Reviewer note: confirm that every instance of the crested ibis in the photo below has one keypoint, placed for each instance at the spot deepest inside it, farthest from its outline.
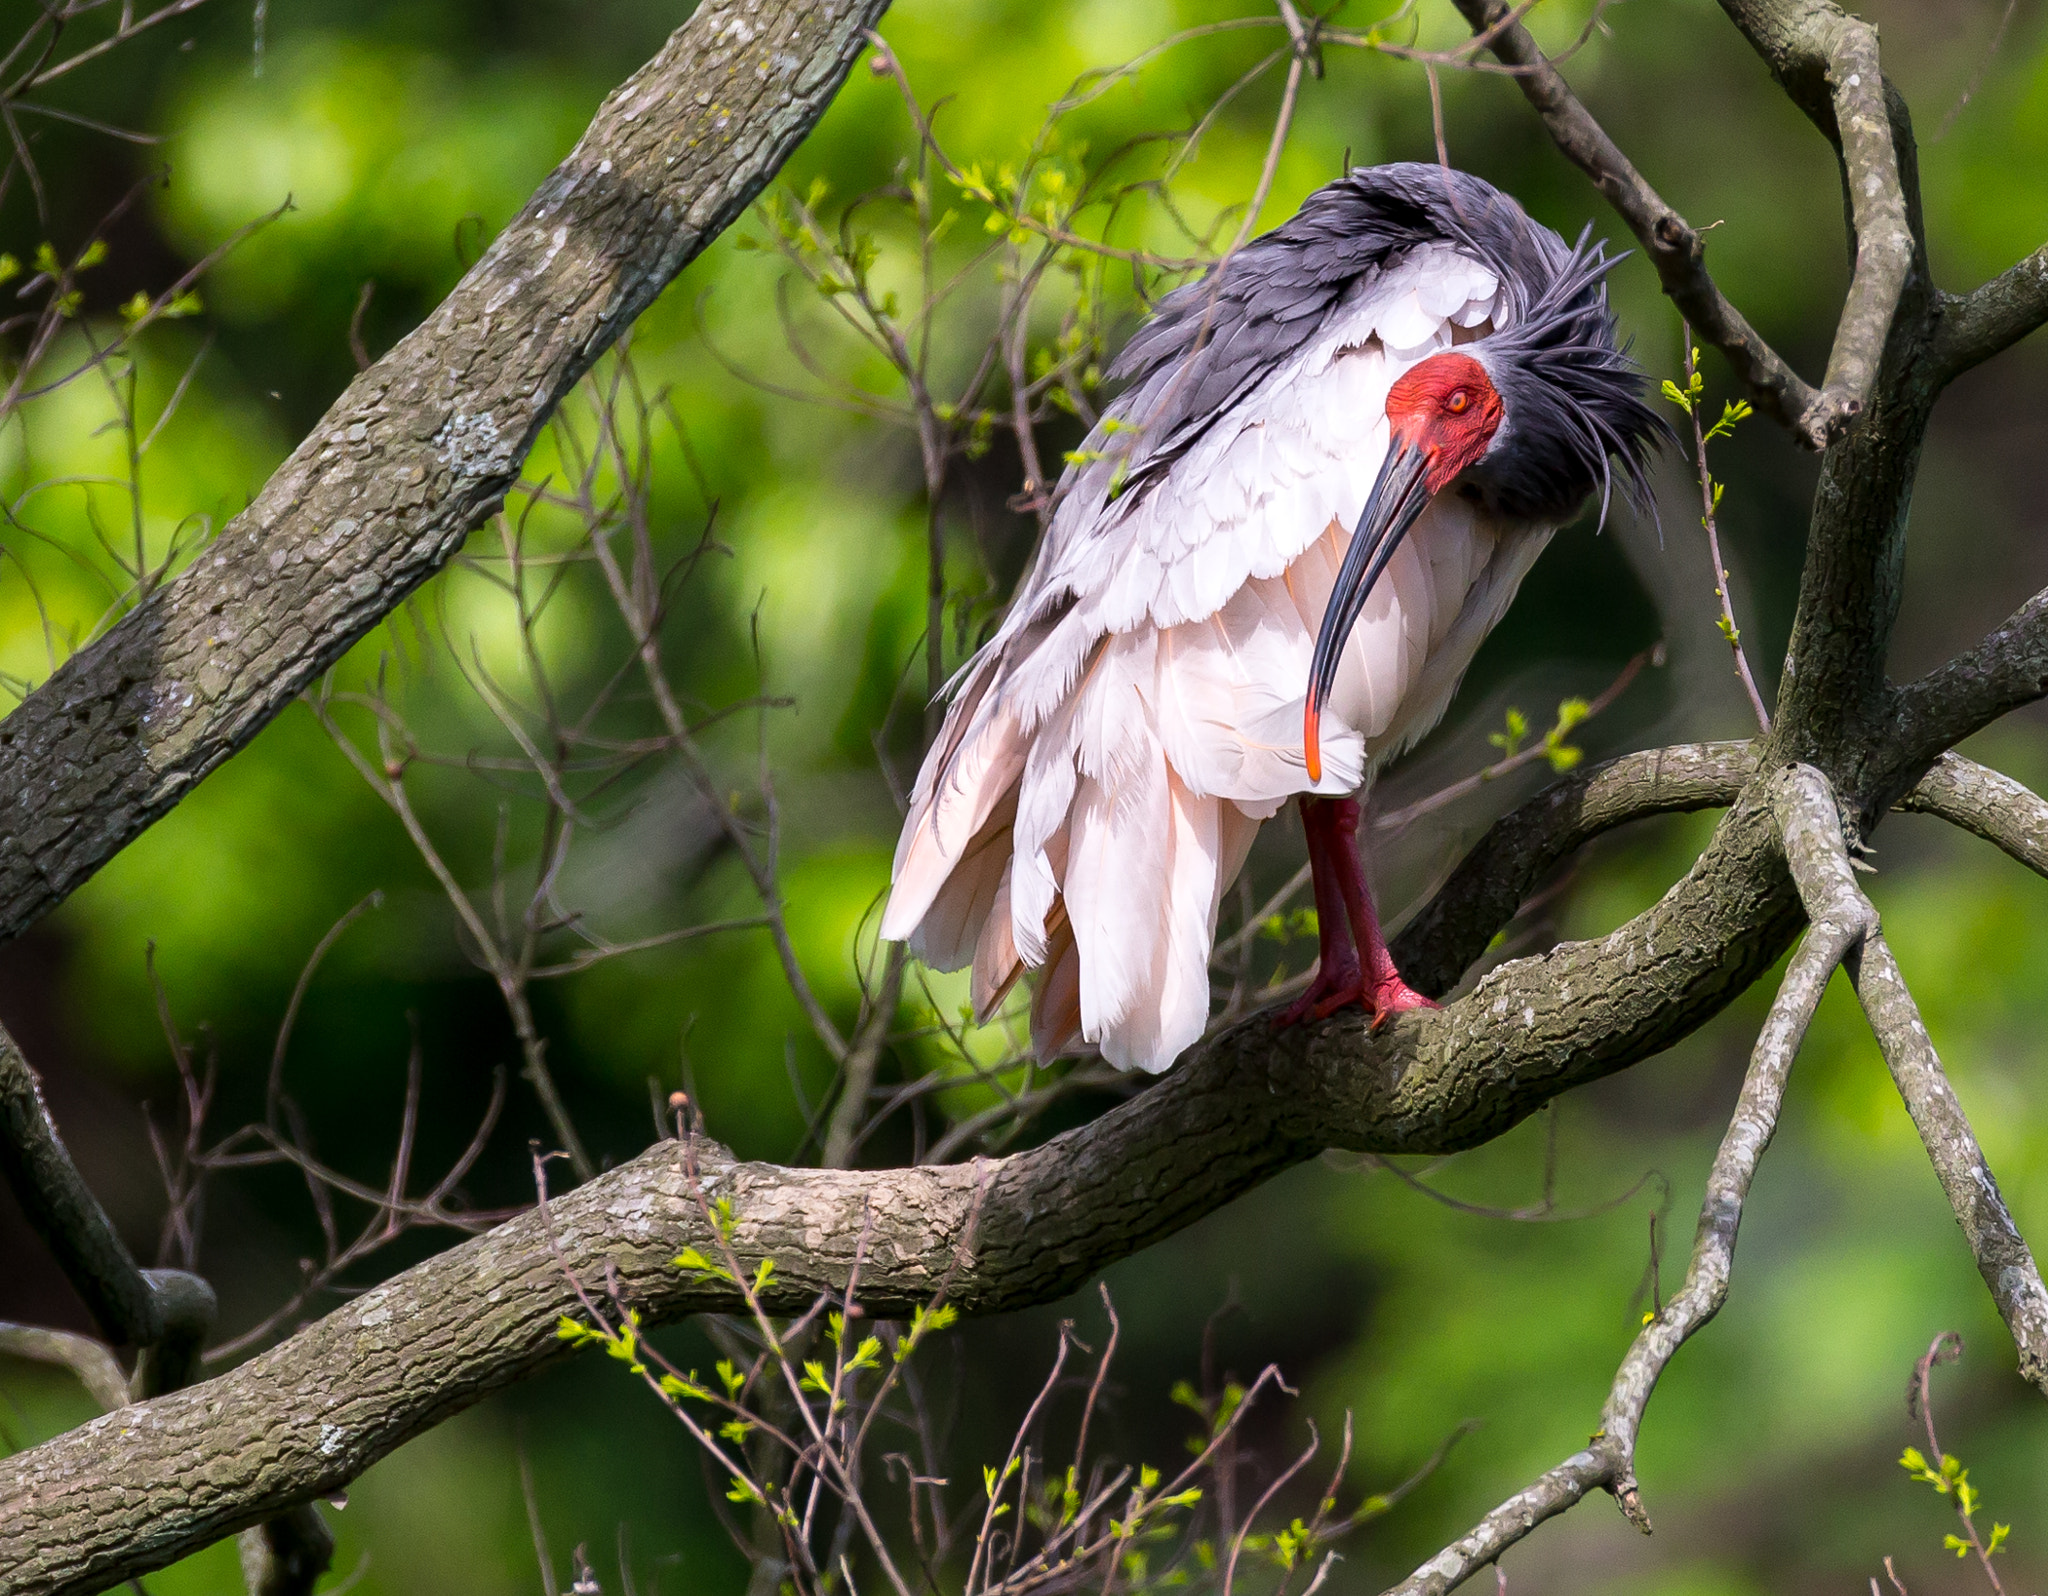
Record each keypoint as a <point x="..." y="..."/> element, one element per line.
<point x="1336" y="457"/>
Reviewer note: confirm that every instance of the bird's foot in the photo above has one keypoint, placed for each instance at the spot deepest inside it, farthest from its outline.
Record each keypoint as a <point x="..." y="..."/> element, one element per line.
<point x="1382" y="998"/>
<point x="1336" y="984"/>
<point x="1390" y="995"/>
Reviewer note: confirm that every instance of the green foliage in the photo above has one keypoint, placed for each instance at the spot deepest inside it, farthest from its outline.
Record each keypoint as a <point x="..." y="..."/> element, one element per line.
<point x="1950" y="1479"/>
<point x="1559" y="753"/>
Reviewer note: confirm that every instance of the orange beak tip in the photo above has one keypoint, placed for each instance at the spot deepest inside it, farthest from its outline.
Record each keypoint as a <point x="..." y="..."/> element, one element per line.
<point x="1311" y="747"/>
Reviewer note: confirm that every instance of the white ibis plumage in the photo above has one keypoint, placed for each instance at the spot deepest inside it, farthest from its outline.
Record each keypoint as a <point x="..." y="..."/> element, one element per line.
<point x="1336" y="459"/>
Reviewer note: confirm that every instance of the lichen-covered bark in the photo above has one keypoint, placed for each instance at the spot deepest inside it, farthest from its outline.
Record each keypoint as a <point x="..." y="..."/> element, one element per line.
<point x="419" y="450"/>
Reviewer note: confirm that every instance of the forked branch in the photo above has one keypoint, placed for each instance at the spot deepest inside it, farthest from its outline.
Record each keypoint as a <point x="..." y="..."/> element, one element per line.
<point x="1608" y="1463"/>
<point x="1827" y="885"/>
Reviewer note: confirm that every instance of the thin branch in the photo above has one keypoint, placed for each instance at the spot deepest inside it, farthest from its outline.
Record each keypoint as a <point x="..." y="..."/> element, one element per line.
<point x="91" y="1362"/>
<point x="2003" y="1257"/>
<point x="1986" y="803"/>
<point x="1674" y="247"/>
<point x="1979" y="325"/>
<point x="1710" y="520"/>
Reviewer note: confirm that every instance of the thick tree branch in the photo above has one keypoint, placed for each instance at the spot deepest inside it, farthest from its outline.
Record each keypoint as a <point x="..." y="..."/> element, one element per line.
<point x="1674" y="247"/>
<point x="107" y="1501"/>
<point x="418" y="451"/>
<point x="284" y="1557"/>
<point x="305" y="1418"/>
<point x="1608" y="1463"/>
<point x="1978" y="325"/>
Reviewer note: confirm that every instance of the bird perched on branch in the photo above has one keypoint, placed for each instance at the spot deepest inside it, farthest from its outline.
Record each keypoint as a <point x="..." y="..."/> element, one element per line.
<point x="1338" y="455"/>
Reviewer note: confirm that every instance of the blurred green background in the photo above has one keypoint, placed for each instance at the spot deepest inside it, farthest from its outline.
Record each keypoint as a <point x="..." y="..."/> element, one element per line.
<point x="405" y="134"/>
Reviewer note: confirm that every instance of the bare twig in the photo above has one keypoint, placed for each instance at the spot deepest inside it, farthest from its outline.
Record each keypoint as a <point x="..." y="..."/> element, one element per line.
<point x="1710" y="520"/>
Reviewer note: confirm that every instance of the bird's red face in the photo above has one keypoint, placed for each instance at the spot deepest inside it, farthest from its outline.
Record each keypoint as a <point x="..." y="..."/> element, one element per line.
<point x="1447" y="409"/>
<point x="1442" y="415"/>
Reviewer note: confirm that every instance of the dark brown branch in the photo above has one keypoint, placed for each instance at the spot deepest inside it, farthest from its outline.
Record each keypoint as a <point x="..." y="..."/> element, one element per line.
<point x="2006" y="671"/>
<point x="418" y="451"/>
<point x="1674" y="247"/>
<point x="1978" y="325"/>
<point x="1608" y="1462"/>
<point x="131" y="1306"/>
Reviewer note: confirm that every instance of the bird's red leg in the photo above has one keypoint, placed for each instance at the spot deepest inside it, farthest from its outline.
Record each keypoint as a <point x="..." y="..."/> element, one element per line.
<point x="1382" y="989"/>
<point x="1337" y="979"/>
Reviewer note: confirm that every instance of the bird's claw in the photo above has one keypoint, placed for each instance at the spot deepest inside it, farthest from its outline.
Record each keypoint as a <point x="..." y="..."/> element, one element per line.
<point x="1382" y="999"/>
<point x="1395" y="996"/>
<point x="1326" y="994"/>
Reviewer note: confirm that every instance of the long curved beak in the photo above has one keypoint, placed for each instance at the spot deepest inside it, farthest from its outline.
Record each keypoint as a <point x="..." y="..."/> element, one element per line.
<point x="1398" y="497"/>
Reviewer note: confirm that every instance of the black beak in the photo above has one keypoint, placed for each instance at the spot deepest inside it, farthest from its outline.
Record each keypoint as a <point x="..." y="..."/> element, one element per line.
<point x="1397" y="499"/>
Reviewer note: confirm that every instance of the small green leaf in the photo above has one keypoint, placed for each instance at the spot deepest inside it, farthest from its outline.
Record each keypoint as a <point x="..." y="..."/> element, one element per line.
<point x="694" y="1262"/>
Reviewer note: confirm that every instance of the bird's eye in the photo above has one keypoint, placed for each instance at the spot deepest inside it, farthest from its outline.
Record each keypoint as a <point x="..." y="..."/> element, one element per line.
<point x="1457" y="402"/>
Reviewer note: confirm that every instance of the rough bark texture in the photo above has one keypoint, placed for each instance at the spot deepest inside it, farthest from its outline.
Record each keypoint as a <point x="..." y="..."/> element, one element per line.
<point x="1991" y="805"/>
<point x="425" y="444"/>
<point x="419" y="450"/>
